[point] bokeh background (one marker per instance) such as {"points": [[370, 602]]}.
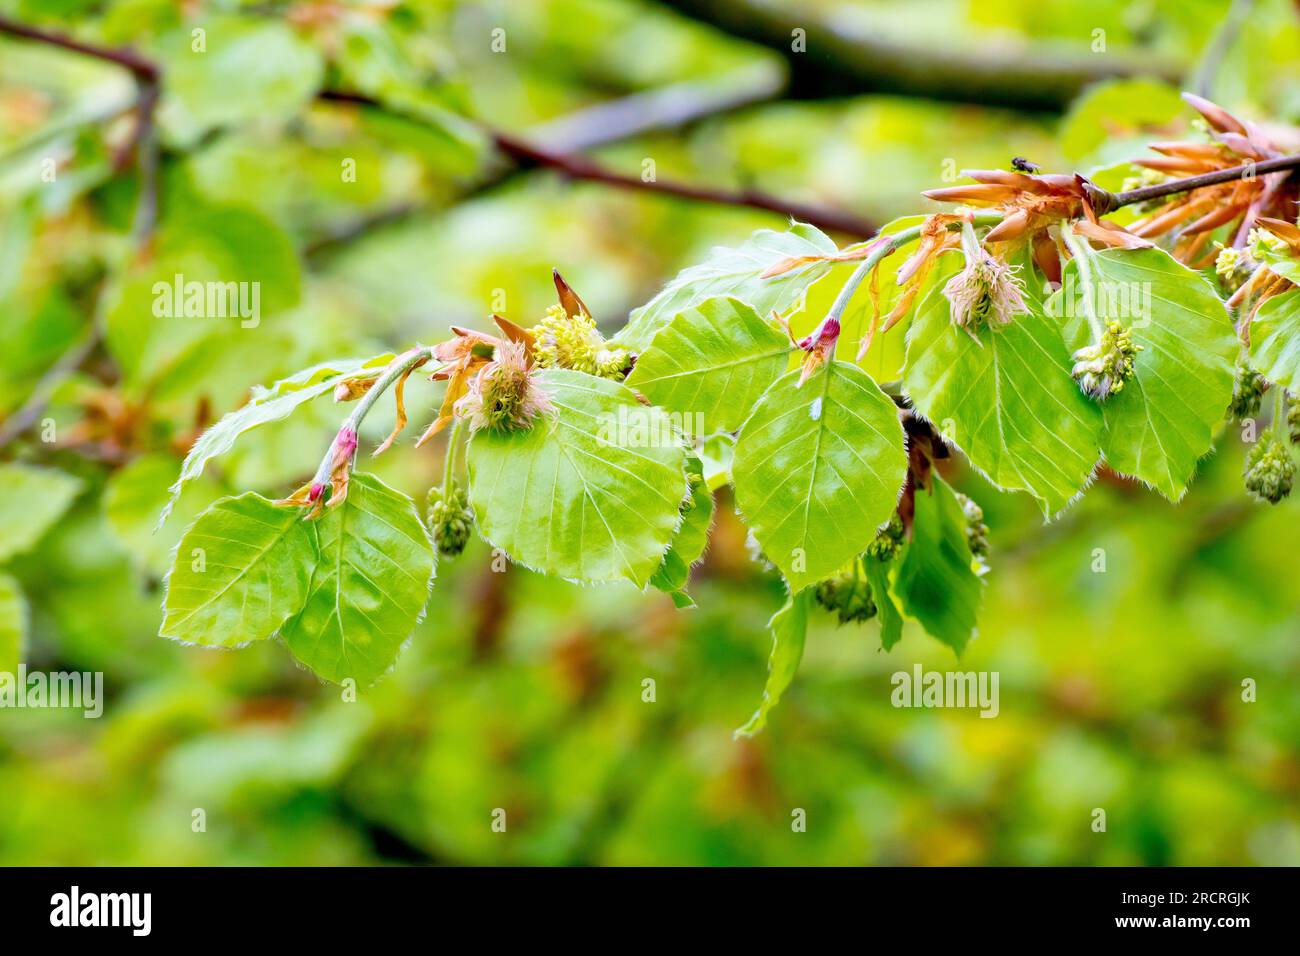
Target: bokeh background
{"points": [[1120, 690]]}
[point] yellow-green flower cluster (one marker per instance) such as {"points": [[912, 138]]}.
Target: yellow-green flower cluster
{"points": [[572, 342]]}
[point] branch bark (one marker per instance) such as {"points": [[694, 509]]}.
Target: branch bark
{"points": [[528, 154], [843, 58], [581, 167]]}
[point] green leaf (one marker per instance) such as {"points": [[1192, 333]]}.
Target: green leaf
{"points": [[735, 272], [1164, 420], [250, 69], [818, 469], [1007, 401], [235, 270], [1280, 262], [884, 359], [713, 361], [1112, 121], [13, 625], [789, 628], [891, 619], [935, 582], [1275, 340], [689, 542], [33, 335], [716, 455], [241, 570], [374, 566], [590, 492], [33, 500], [267, 405]]}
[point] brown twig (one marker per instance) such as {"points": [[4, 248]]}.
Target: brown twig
{"points": [[143, 68], [1104, 201], [829, 55], [141, 146], [26, 416], [581, 167], [528, 154]]}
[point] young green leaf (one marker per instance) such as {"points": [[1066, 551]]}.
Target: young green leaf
{"points": [[1164, 419], [689, 541], [217, 277], [246, 70], [1006, 400], [716, 455], [373, 566], [1275, 340], [789, 628], [239, 573], [818, 469], [891, 619], [13, 625], [132, 498], [713, 360], [935, 582], [590, 492], [736, 272], [267, 405], [33, 500]]}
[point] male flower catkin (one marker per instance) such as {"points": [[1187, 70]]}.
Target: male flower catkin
{"points": [[848, 595], [977, 532], [888, 541], [1102, 368], [987, 291], [449, 519], [504, 396], [1269, 469], [571, 341], [1247, 391]]}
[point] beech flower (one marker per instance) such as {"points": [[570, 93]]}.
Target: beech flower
{"points": [[1242, 202], [987, 291], [335, 471], [1102, 368], [504, 396]]}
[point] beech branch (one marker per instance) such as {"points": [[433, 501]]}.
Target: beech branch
{"points": [[1104, 201], [839, 57], [141, 145], [528, 154]]}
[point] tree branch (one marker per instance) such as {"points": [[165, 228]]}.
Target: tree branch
{"points": [[525, 153], [667, 107], [581, 167], [1104, 201], [844, 58], [1221, 45], [143, 68], [143, 147]]}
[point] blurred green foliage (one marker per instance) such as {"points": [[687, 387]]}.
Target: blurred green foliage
{"points": [[1120, 689]]}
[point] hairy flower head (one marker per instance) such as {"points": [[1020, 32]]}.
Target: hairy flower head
{"points": [[1247, 391], [987, 291], [1269, 469], [504, 396], [1102, 368]]}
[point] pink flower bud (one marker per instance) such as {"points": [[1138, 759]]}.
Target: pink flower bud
{"points": [[345, 443]]}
